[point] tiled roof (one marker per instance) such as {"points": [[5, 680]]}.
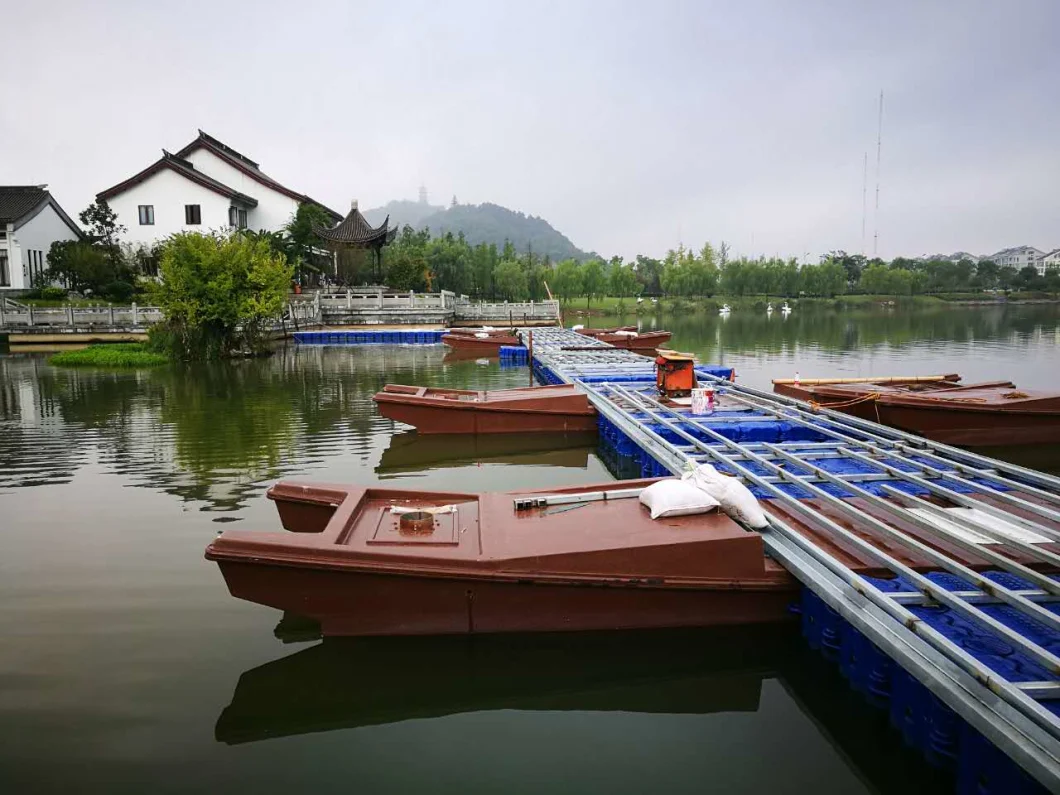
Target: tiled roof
{"points": [[19, 203], [248, 167], [185, 169], [17, 200], [355, 229]]}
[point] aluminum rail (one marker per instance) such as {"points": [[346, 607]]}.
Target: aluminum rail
{"points": [[1046, 658], [819, 423], [1039, 478], [1027, 706]]}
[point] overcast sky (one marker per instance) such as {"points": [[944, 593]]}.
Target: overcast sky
{"points": [[629, 126]]}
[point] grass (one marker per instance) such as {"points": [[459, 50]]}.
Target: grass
{"points": [[131, 354]]}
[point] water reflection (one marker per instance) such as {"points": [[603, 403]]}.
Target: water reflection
{"points": [[410, 451], [650, 677]]}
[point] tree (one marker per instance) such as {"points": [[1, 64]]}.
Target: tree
{"points": [[300, 238], [623, 281], [218, 293], [649, 272], [88, 268], [567, 283], [593, 281], [987, 273], [102, 223], [510, 278]]}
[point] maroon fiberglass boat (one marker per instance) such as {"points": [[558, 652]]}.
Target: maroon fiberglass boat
{"points": [[540, 409], [369, 561], [941, 408], [629, 338], [486, 341]]}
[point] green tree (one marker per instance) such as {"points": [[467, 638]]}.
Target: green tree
{"points": [[102, 223], [593, 281], [90, 268], [302, 244], [511, 282], [622, 281], [218, 293], [567, 282]]}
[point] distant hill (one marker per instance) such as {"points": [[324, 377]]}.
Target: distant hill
{"points": [[483, 223], [401, 212]]}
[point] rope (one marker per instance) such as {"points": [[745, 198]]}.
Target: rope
{"points": [[846, 403]]}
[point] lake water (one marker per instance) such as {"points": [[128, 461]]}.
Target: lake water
{"points": [[125, 666]]}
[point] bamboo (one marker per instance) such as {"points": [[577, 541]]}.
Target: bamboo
{"points": [[894, 379]]}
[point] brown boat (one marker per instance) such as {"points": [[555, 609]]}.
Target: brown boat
{"points": [[538, 409], [941, 408], [372, 561], [627, 337], [476, 565], [488, 342]]}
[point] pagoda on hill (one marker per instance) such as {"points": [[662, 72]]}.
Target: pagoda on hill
{"points": [[354, 233]]}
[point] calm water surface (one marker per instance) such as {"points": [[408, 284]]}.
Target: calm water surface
{"points": [[125, 666]]}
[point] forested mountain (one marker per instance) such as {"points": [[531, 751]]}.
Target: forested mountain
{"points": [[483, 223]]}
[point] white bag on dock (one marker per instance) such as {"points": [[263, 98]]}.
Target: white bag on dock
{"points": [[735, 498], [676, 498]]}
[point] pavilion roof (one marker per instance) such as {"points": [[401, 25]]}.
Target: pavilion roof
{"points": [[354, 229]]}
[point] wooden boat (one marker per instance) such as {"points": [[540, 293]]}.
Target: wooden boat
{"points": [[941, 408], [627, 337], [373, 561], [488, 341], [560, 408], [476, 565]]}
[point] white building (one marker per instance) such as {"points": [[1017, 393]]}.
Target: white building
{"points": [[205, 186], [1019, 257], [30, 221], [1050, 260]]}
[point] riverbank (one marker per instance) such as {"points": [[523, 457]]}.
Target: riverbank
{"points": [[610, 305]]}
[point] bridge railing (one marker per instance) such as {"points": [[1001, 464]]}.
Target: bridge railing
{"points": [[71, 316], [500, 311]]}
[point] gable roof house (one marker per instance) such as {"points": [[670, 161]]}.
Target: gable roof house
{"points": [[205, 186], [30, 221]]}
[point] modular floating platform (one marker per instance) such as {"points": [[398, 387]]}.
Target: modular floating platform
{"points": [[964, 657]]}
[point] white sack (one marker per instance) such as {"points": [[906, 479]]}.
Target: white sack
{"points": [[735, 498], [676, 498]]}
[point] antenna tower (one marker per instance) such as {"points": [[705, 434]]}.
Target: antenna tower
{"points": [[876, 217], [864, 198]]}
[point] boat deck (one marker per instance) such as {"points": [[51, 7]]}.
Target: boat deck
{"points": [[963, 597]]}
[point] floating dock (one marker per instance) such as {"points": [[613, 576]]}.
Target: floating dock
{"points": [[965, 656]]}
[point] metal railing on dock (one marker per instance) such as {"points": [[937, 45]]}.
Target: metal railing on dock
{"points": [[959, 597]]}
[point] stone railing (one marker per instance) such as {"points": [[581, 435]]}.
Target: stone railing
{"points": [[513, 312], [72, 317]]}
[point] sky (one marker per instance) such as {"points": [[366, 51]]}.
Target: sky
{"points": [[630, 126]]}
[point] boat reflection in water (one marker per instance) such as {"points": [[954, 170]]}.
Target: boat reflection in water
{"points": [[349, 682], [346, 683], [413, 452]]}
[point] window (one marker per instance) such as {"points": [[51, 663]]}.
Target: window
{"points": [[147, 214], [242, 219], [192, 214], [5, 276], [232, 216]]}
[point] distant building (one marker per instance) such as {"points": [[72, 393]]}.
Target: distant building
{"points": [[205, 186], [1019, 257], [30, 221], [1050, 260]]}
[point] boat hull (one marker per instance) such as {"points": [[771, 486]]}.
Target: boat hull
{"points": [[489, 344], [360, 604], [553, 409], [968, 424]]}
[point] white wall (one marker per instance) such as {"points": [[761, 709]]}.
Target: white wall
{"points": [[37, 234], [274, 209], [168, 192]]}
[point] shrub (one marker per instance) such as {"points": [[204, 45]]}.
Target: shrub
{"points": [[119, 292], [52, 293], [219, 293]]}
